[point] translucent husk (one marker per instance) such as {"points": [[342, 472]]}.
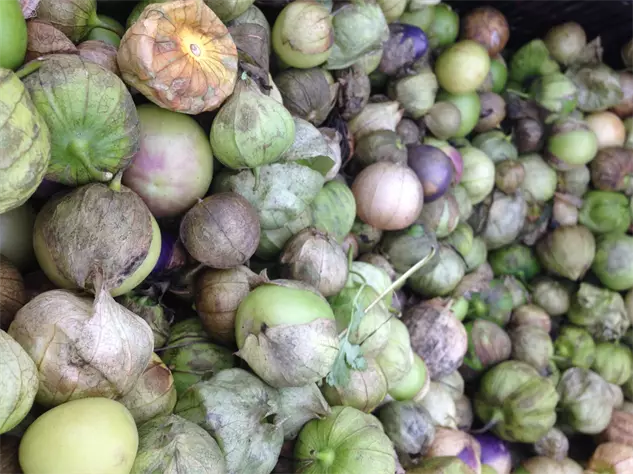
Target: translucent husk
{"points": [[20, 375], [396, 359], [74, 18], [610, 458], [44, 38], [551, 295], [241, 413], [155, 314], [94, 232], [95, 348], [409, 426], [574, 347], [532, 345], [440, 404], [170, 444], [310, 148], [620, 429], [272, 241], [100, 53], [516, 402], [436, 336], [365, 390], [374, 117], [333, 442], [307, 93], [334, 209], [585, 401], [405, 248], [298, 405], [317, 259], [567, 251], [416, 93], [613, 362], [554, 444], [154, 393], [440, 216], [443, 277], [488, 344]]}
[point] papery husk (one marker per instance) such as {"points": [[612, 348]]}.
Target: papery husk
{"points": [[574, 347], [20, 376], [613, 458], [94, 232], [532, 345], [298, 405], [74, 18], [235, 407], [613, 362], [374, 117], [476, 281], [567, 251], [334, 209], [442, 465], [440, 216], [218, 295], [441, 405], [443, 278], [620, 429], [600, 311], [365, 390], [551, 295], [381, 145], [170, 444], [272, 241], [310, 148], [451, 442], [611, 170], [504, 220], [155, 314], [554, 444], [488, 344], [366, 235], [191, 357], [307, 93], [152, 49], [354, 90], [252, 41], [333, 139], [407, 247], [436, 336], [94, 125], [94, 348], [396, 359], [154, 393], [100, 53], [44, 38], [9, 459], [12, 292], [585, 401], [531, 315]]}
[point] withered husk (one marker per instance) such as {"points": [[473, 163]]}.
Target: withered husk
{"points": [[252, 42], [612, 169], [101, 53], [12, 292], [44, 38], [354, 89]]}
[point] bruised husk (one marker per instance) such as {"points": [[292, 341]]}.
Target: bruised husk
{"points": [[95, 348], [221, 231], [315, 258], [97, 232], [218, 295]]}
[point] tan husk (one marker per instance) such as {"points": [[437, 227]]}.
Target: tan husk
{"points": [[218, 295], [82, 347], [364, 391], [44, 38], [531, 315], [101, 53], [620, 429], [450, 442], [12, 292], [95, 231], [221, 231], [614, 458], [154, 393], [298, 405], [315, 258]]}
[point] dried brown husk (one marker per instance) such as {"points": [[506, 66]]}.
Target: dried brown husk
{"points": [[82, 347], [12, 292], [333, 139], [614, 458], [612, 169], [44, 38], [620, 429], [9, 461], [365, 390], [354, 91], [509, 175], [436, 336], [71, 17], [154, 393], [101, 53], [493, 111], [307, 93], [554, 444], [490, 343], [252, 42], [94, 232], [221, 231], [218, 295], [315, 258], [531, 315], [29, 7]]}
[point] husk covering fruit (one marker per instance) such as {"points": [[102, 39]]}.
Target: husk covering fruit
{"points": [[180, 56], [26, 143], [235, 408], [12, 292], [94, 348], [93, 135], [298, 405]]}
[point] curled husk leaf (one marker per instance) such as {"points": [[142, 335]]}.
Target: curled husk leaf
{"points": [[307, 93], [44, 38], [574, 347], [171, 444], [365, 390], [532, 345], [96, 232], [96, 136], [518, 401], [443, 278], [12, 292], [616, 458], [436, 336], [354, 90], [407, 247], [252, 36], [266, 335], [451, 442], [272, 241], [567, 251], [191, 357], [376, 116], [174, 37], [298, 405], [488, 344], [154, 393], [250, 442], [20, 376], [100, 53], [554, 444], [601, 311], [155, 314], [279, 193], [585, 401], [334, 210], [613, 362], [409, 426], [551, 295], [440, 403], [598, 86], [349, 439], [218, 295], [95, 348]]}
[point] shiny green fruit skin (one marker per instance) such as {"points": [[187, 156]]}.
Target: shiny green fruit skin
{"points": [[107, 36], [47, 264], [91, 435], [13, 35]]}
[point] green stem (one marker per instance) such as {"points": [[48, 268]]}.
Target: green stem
{"points": [[326, 457], [115, 184], [29, 68], [402, 278], [497, 417], [80, 150], [523, 95]]}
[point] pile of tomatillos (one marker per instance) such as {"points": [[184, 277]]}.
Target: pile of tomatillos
{"points": [[360, 237]]}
